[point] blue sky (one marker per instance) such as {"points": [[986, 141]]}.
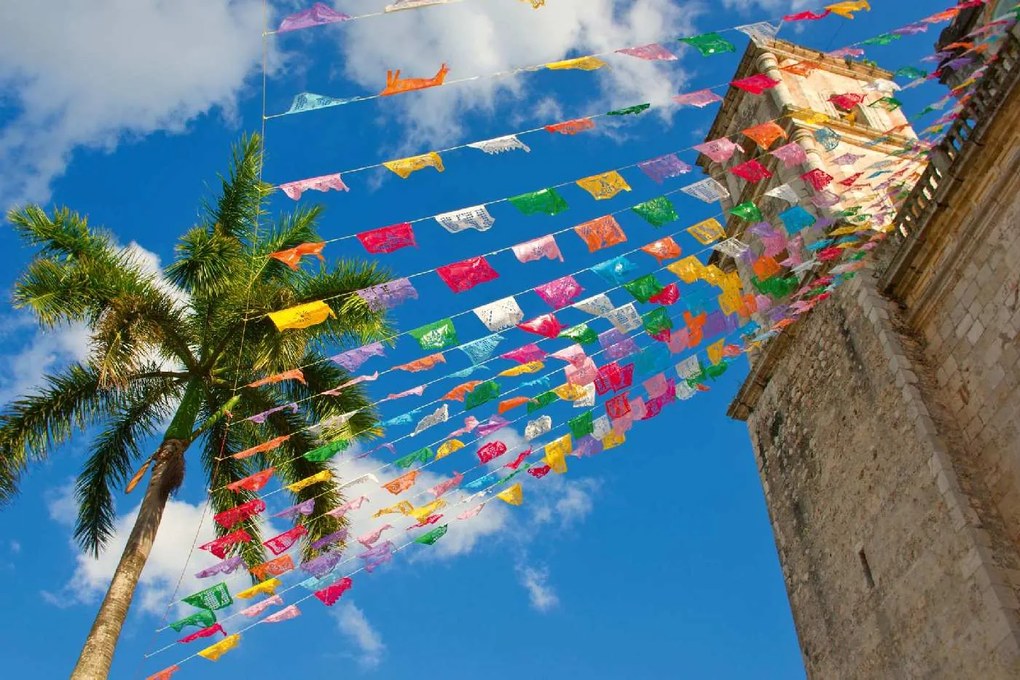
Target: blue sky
{"points": [[654, 560]]}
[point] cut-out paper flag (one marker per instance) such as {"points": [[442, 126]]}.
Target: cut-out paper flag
{"points": [[325, 183], [600, 233], [500, 315], [546, 325], [755, 84], [465, 275], [317, 15], [561, 292], [579, 64], [657, 212], [700, 98], [501, 145], [397, 85], [664, 167], [653, 52], [604, 186], [388, 239], [543, 247], [546, 201], [477, 218], [752, 171], [435, 336], [719, 150], [707, 190], [388, 295], [405, 166], [709, 44], [302, 316], [571, 127], [791, 154]]}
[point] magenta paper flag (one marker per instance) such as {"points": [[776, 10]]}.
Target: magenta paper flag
{"points": [[719, 150], [285, 614], [653, 52], [388, 239], [817, 178], [525, 354], [544, 247], [491, 451], [413, 392], [331, 593], [560, 293], [700, 99], [493, 424], [465, 275], [282, 542], [751, 170], [791, 154], [664, 167], [317, 15], [379, 555], [546, 325], [325, 183], [755, 84], [352, 360]]}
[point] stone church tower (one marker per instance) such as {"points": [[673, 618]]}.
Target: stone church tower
{"points": [[886, 422]]}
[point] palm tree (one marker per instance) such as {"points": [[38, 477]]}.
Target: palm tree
{"points": [[174, 348]]}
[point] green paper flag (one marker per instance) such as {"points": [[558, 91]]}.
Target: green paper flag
{"points": [[581, 425], [747, 211], [216, 597], [776, 286], [910, 72], [657, 321], [431, 537], [420, 456], [324, 453], [883, 39], [202, 619], [545, 201], [644, 288], [709, 44], [887, 103], [482, 394], [657, 212], [435, 335], [581, 334], [636, 109], [541, 401]]}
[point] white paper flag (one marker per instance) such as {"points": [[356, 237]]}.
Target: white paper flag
{"points": [[500, 145], [536, 428], [501, 314], [597, 305], [707, 190], [477, 218], [625, 319]]}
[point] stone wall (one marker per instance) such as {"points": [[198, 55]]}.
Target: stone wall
{"points": [[886, 566], [886, 428]]}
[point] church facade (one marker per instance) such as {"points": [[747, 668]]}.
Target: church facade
{"points": [[886, 422]]}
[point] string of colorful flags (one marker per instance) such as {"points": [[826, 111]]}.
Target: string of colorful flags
{"points": [[707, 44], [838, 253]]}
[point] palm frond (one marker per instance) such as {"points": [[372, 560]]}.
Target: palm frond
{"points": [[242, 193], [113, 454], [32, 426]]}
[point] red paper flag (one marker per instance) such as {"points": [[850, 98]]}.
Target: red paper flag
{"points": [[462, 276], [388, 239]]}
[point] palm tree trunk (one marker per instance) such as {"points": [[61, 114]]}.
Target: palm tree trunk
{"points": [[97, 654], [167, 474]]}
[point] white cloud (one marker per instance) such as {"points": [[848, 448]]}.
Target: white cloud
{"points": [[536, 582], [40, 353], [168, 559], [351, 621], [481, 38], [91, 74]]}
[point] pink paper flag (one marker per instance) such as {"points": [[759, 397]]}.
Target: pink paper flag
{"points": [[653, 52], [700, 99], [561, 292], [719, 150], [294, 190], [537, 249]]}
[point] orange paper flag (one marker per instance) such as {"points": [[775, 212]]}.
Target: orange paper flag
{"points": [[293, 374], [394, 85], [292, 256]]}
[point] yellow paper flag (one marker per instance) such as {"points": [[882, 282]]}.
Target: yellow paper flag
{"points": [[301, 316], [612, 440], [265, 588], [688, 269], [323, 476], [570, 392], [604, 186], [715, 352], [581, 64], [556, 454], [707, 231], [214, 652], [446, 448], [847, 9], [530, 367], [401, 508], [405, 166], [514, 495], [424, 512]]}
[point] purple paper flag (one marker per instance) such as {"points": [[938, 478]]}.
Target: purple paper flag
{"points": [[664, 167], [353, 359], [388, 295], [318, 15]]}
